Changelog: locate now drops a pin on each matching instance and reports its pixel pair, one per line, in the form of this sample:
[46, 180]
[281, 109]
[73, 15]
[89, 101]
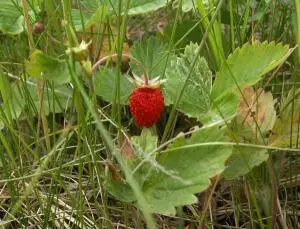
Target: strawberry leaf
[152, 53]
[183, 169]
[105, 84]
[41, 65]
[135, 6]
[196, 96]
[146, 142]
[193, 163]
[141, 6]
[246, 66]
[24, 95]
[242, 160]
[11, 18]
[221, 109]
[87, 20]
[257, 111]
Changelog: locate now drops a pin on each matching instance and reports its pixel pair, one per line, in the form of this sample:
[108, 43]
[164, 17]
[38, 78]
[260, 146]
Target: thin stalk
[214, 35]
[172, 36]
[232, 26]
[116, 107]
[40, 82]
[66, 4]
[54, 16]
[246, 18]
[297, 4]
[40, 91]
[208, 200]
[28, 26]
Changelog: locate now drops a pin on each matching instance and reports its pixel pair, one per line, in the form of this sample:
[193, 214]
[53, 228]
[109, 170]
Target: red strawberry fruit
[146, 104]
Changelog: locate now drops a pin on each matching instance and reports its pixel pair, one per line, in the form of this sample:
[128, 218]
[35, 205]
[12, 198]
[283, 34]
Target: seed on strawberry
[146, 105]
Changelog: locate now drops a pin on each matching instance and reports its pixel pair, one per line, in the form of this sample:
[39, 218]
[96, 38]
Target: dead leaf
[257, 109]
[126, 146]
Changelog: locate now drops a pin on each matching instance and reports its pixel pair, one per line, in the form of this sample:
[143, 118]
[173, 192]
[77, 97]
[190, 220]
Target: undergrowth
[224, 152]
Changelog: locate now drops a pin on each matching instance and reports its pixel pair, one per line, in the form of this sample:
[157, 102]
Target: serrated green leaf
[41, 65]
[194, 163]
[104, 81]
[11, 18]
[182, 170]
[152, 53]
[196, 96]
[247, 65]
[242, 160]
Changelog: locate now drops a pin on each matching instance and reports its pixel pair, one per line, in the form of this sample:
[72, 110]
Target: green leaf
[88, 19]
[135, 6]
[120, 190]
[11, 106]
[222, 109]
[146, 142]
[105, 81]
[152, 53]
[246, 66]
[56, 98]
[42, 65]
[24, 95]
[187, 5]
[11, 18]
[144, 6]
[242, 160]
[196, 96]
[193, 163]
[179, 172]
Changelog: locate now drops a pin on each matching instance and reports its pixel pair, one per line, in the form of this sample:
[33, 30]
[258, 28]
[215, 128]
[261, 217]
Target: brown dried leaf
[257, 110]
[126, 146]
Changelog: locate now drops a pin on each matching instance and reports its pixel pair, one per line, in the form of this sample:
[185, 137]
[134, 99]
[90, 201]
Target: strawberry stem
[104, 59]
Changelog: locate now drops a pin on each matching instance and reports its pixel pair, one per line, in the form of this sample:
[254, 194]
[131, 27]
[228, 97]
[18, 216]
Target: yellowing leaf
[257, 110]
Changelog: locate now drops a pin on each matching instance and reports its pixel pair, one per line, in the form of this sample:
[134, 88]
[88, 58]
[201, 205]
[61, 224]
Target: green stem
[28, 26]
[214, 37]
[297, 4]
[232, 26]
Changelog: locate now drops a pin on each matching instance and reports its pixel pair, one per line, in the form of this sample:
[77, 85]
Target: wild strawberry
[146, 103]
